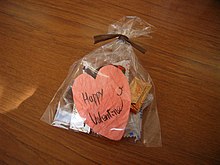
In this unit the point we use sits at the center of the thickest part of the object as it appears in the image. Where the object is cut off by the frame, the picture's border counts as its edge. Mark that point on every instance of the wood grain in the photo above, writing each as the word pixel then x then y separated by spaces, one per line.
pixel 39 40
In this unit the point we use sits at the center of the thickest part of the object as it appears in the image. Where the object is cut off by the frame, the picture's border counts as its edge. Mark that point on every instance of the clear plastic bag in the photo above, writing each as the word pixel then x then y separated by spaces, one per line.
pixel 109 93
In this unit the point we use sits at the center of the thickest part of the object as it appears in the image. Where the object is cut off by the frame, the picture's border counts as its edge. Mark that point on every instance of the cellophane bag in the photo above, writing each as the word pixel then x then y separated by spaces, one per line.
pixel 108 93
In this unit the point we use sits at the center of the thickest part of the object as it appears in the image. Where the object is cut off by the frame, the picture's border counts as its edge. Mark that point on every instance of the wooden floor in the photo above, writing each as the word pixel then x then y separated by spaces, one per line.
pixel 39 40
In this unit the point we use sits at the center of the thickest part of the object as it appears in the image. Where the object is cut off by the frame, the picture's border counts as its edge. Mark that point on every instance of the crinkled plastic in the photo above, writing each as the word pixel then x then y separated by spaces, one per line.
pixel 108 93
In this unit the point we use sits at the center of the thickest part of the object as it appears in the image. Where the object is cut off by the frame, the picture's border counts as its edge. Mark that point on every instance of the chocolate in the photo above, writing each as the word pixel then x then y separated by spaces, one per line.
pixel 122 65
pixel 77 122
pixel 63 116
pixel 133 128
pixel 139 91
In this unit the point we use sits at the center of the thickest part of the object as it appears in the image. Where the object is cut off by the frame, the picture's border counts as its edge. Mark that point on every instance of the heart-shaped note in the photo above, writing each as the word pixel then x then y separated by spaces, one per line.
pixel 104 101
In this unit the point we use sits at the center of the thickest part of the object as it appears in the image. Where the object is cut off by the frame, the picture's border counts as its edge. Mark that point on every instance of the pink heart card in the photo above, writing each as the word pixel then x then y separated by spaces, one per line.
pixel 104 102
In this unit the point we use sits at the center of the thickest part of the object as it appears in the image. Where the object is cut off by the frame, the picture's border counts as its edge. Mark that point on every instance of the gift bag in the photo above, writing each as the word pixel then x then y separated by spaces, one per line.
pixel 108 93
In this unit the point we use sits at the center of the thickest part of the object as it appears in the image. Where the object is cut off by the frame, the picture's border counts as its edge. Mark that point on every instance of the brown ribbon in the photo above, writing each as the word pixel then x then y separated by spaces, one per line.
pixel 104 37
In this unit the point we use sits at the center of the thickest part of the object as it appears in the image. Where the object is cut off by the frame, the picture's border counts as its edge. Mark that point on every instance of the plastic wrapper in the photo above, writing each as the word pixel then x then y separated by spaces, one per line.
pixel 108 93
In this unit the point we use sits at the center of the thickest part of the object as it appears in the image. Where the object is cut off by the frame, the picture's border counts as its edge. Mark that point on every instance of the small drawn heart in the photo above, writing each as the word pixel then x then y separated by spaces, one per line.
pixel 104 101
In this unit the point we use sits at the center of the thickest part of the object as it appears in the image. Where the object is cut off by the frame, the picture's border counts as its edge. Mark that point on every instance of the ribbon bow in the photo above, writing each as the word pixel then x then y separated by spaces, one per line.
pixel 104 37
